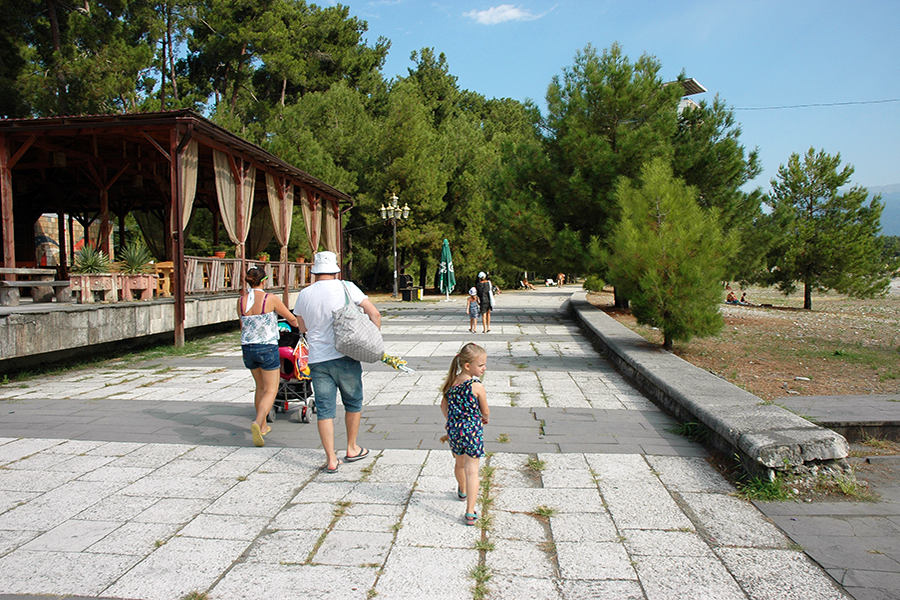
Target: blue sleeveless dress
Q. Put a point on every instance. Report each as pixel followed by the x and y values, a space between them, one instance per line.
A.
pixel 464 428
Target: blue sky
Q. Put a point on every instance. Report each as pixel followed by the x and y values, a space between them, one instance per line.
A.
pixel 754 54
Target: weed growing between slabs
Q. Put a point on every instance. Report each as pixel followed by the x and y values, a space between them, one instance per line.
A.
pixel 482 573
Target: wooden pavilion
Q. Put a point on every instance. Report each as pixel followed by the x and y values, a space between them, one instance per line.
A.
pixel 160 167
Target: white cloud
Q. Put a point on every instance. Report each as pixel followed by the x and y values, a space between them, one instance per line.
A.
pixel 501 14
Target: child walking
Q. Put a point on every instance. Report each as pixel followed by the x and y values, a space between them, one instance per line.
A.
pixel 465 407
pixel 472 309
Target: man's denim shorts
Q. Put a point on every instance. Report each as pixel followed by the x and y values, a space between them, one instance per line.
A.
pixel 261 356
pixel 344 374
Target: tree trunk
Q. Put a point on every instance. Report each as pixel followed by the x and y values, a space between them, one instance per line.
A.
pixel 162 83
pixel 667 342
pixel 423 271
pixel 620 300
pixel 61 84
pixel 807 295
pixel 237 75
pixel 171 51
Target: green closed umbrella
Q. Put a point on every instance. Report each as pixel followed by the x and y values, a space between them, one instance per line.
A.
pixel 446 278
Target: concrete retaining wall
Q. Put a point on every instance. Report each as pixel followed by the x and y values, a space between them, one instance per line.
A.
pixel 40 335
pixel 766 437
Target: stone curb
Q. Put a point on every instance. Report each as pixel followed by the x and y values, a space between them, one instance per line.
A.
pixel 767 437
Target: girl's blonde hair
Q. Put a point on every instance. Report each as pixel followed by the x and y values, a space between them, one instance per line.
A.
pixel 466 354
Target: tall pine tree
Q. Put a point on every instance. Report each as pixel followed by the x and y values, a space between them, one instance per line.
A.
pixel 826 237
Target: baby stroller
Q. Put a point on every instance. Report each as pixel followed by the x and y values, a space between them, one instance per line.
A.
pixel 295 384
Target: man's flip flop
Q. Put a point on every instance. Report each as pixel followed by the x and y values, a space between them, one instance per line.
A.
pixel 335 469
pixel 258 440
pixel 362 454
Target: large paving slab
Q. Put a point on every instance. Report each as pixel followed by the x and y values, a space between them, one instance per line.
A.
pixel 140 481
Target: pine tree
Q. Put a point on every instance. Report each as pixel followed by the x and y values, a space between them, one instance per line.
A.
pixel 825 238
pixel 668 255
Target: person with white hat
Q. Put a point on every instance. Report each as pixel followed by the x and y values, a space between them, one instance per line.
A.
pixel 330 370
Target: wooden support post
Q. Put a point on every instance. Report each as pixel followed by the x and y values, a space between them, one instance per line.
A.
pixel 6 199
pixel 62 270
pixel 176 208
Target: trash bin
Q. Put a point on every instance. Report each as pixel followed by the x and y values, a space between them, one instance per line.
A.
pixel 411 293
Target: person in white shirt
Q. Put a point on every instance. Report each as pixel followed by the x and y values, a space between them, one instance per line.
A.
pixel 330 370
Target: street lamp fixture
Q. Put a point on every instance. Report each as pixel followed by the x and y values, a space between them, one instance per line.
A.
pixel 393 213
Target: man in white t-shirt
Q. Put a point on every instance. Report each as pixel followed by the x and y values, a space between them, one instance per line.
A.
pixel 330 370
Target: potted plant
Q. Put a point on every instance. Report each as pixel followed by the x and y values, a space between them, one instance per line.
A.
pixel 136 277
pixel 263 256
pixel 219 251
pixel 91 274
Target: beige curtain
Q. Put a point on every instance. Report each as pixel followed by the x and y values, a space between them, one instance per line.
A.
pixel 281 206
pixel 231 192
pixel 331 233
pixel 312 218
pixel 189 168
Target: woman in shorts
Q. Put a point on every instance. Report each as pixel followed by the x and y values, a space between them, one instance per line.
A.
pixel 259 346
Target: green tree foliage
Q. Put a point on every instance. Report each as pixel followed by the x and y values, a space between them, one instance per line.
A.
pixel 511 190
pixel 521 227
pixel 256 55
pixel 824 238
pixel 890 253
pixel 606 117
pixel 669 255
pixel 80 59
pixel 14 50
pixel 709 156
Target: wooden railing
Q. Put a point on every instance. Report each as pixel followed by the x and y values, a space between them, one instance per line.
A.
pixel 209 275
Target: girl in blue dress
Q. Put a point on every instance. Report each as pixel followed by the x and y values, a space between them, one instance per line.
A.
pixel 465 407
pixel 472 309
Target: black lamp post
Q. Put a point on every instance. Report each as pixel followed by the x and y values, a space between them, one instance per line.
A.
pixel 393 212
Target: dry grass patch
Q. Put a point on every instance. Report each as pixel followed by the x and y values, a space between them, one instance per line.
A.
pixel 842 346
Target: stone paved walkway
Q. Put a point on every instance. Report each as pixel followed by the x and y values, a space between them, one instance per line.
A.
pixel 140 481
pixel 858 543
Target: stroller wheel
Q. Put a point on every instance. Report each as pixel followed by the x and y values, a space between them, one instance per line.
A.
pixel 304 414
pixel 271 416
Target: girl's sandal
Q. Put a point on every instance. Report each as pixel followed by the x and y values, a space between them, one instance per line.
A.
pixel 471 518
pixel 460 494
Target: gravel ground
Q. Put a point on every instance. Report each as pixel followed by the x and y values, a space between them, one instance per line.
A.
pixel 841 346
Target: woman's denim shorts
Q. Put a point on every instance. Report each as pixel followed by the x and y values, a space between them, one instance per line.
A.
pixel 261 356
pixel 344 374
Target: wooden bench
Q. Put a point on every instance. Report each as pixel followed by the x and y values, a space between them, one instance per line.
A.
pixel 42 282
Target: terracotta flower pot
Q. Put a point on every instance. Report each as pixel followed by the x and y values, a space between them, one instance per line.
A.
pixel 219 254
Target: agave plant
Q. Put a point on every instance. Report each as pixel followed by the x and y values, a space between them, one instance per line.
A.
pixel 88 260
pixel 136 259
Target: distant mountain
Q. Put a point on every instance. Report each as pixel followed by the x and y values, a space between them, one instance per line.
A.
pixel 890 217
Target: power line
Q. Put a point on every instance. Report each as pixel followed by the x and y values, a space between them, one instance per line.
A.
pixel 818 105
